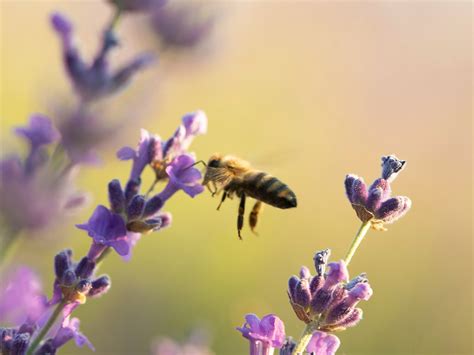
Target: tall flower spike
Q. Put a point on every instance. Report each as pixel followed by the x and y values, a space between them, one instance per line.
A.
pixel 374 205
pixel 94 81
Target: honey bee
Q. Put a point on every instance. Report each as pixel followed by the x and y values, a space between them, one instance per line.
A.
pixel 235 176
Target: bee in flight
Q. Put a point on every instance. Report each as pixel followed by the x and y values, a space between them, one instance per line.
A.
pixel 235 176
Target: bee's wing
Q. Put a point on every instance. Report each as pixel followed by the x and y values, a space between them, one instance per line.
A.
pixel 219 176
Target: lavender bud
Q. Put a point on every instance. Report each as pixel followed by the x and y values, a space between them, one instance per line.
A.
pixel 391 166
pixel 47 348
pixel 116 197
pixel 288 347
pixel 20 344
pixel 69 278
pixel 302 294
pixel 393 209
pixel 29 328
pixel 85 268
pixel 6 339
pixel 362 278
pixel 305 273
pixel 135 207
pixel 316 283
pixel 359 192
pixel 132 188
pixel 292 283
pixel 83 286
pixel 348 183
pixel 62 262
pixel 378 192
pixel 320 301
pixel 320 260
pixel 100 286
pixel 350 319
pixel 152 206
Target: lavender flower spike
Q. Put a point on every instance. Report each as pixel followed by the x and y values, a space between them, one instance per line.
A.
pixel 267 333
pixel 95 80
pixel 323 344
pixel 107 229
pixel 374 204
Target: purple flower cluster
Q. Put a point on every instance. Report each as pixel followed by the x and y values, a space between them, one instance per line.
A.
pixel 328 299
pixel 95 80
pixel 131 213
pixel 375 204
pixel 33 191
pixel 25 307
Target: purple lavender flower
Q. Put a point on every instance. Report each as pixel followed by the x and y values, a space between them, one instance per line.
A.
pixel 94 81
pixel 182 26
pixel 32 192
pixel 323 344
pixel 107 229
pixel 152 151
pixel 374 204
pixel 264 334
pixel 328 299
pixel 148 149
pixel 40 131
pixel 21 296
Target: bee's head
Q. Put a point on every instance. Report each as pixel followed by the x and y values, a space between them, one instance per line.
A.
pixel 215 161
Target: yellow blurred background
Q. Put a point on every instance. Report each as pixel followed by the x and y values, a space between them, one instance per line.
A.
pixel 308 91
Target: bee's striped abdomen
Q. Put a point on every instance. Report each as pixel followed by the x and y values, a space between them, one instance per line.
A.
pixel 268 189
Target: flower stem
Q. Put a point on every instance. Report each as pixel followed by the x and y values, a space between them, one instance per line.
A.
pixel 152 187
pixel 357 240
pixel 117 15
pixel 103 256
pixel 305 338
pixel 52 319
pixel 254 347
pixel 8 246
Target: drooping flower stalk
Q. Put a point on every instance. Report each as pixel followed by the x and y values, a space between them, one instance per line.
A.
pixel 305 338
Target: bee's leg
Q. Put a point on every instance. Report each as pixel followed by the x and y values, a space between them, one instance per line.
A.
pixel 224 195
pixel 240 217
pixel 253 216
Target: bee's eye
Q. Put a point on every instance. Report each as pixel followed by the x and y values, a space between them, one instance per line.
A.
pixel 214 163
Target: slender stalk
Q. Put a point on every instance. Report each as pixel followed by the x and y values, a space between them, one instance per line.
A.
pixel 117 15
pixel 8 245
pixel 103 256
pixel 305 338
pixel 152 187
pixel 357 240
pixel 52 319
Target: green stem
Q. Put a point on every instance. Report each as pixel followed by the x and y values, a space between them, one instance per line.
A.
pixel 152 187
pixel 8 246
pixel 357 240
pixel 103 256
pixel 305 338
pixel 117 15
pixel 52 319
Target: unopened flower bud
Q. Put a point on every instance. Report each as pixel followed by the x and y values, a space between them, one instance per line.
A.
pixel 391 166
pixel 83 286
pixel 69 278
pixel 116 197
pixel 20 344
pixel 152 206
pixel 305 273
pixel 302 294
pixel 132 188
pixel 135 207
pixel 320 260
pixel 100 286
pixel 62 262
pixel 85 268
pixel 362 278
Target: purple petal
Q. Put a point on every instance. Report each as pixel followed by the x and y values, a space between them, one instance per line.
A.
pixel 126 153
pixel 61 24
pixel 337 273
pixel 253 321
pixel 40 131
pixel 323 344
pixel 274 329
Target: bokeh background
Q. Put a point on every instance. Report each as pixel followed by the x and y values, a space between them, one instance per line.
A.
pixel 309 91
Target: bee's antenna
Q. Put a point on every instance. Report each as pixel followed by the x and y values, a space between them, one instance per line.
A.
pixel 199 161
